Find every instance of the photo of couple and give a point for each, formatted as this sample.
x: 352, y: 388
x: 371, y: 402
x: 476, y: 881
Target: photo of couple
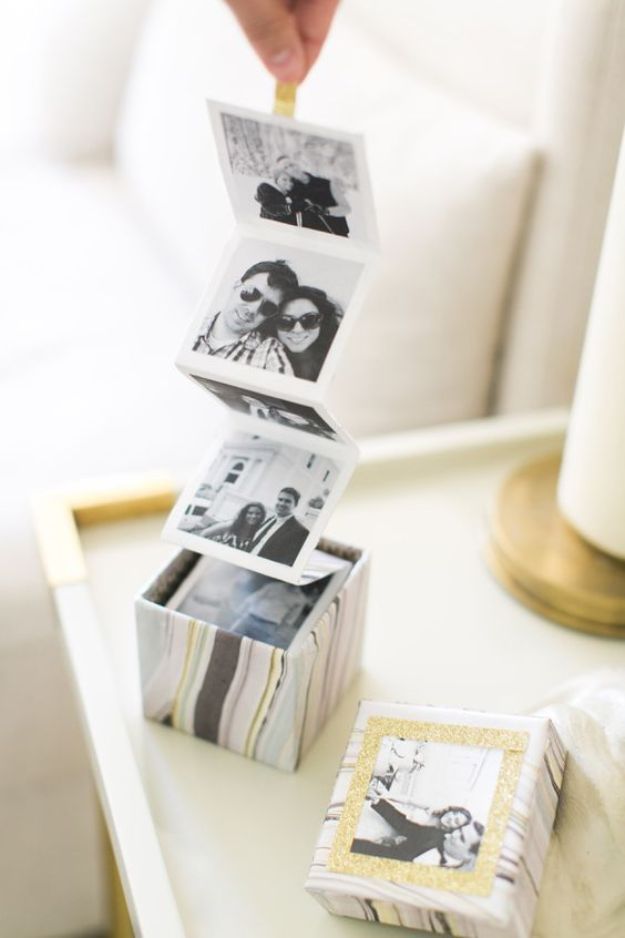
x: 275, y: 534
x: 448, y: 836
x: 296, y: 196
x: 256, y: 502
x: 288, y: 175
x: 427, y: 803
x: 272, y: 322
x: 267, y: 315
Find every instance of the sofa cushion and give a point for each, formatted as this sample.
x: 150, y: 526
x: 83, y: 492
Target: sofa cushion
x: 485, y: 51
x: 92, y: 320
x: 450, y: 186
x: 63, y: 66
x: 87, y: 361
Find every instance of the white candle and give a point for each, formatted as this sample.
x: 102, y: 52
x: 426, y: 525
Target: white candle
x: 591, y: 490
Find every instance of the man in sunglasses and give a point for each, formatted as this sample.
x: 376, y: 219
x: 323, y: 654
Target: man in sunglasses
x: 233, y: 333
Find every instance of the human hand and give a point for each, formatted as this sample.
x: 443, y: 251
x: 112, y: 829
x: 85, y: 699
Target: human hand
x: 288, y: 35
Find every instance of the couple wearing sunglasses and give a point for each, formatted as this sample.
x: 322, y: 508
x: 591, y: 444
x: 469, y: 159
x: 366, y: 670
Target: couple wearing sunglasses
x: 272, y: 322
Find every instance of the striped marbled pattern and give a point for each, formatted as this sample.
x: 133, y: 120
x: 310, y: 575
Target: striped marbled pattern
x: 247, y: 696
x: 509, y: 911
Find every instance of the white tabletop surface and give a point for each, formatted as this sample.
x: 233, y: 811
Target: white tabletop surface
x: 237, y: 836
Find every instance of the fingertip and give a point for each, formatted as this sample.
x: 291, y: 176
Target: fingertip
x: 287, y: 64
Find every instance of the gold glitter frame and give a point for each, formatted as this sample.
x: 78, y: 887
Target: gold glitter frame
x: 479, y: 881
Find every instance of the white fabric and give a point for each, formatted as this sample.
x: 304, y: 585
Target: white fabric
x: 91, y: 321
x: 449, y: 186
x: 557, y: 69
x: 63, y: 66
x: 583, y: 891
x: 484, y: 51
x: 96, y: 386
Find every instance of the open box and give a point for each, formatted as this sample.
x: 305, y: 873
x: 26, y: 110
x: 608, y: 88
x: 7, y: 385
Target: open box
x: 252, y: 697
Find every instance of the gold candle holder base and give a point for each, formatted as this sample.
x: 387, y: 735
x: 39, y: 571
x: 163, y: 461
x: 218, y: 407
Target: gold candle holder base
x: 545, y: 564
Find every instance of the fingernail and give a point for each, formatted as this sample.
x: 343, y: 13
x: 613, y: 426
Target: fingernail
x: 286, y: 64
x: 283, y: 57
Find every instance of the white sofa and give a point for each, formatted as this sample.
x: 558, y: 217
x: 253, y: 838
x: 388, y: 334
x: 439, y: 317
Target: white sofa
x: 492, y: 129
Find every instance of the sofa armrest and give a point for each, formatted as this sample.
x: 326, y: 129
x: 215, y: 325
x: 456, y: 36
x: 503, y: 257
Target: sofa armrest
x: 63, y: 68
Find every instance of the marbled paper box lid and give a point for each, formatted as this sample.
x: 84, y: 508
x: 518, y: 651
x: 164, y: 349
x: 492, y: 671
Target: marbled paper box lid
x: 440, y: 820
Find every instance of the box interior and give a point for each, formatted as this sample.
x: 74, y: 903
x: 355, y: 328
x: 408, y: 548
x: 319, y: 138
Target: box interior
x: 163, y: 588
x: 173, y: 575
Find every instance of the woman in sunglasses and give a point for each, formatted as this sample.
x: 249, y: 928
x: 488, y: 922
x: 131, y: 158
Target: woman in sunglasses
x: 306, y: 324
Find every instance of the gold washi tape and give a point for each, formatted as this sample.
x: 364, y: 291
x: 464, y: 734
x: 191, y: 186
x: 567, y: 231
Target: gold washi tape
x: 284, y: 100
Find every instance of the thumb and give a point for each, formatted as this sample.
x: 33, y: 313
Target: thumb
x: 271, y: 29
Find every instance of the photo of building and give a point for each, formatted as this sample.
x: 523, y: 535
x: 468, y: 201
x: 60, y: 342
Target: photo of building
x: 254, y: 468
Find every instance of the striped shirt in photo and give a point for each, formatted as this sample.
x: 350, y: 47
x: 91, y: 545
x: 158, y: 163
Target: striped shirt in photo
x: 250, y: 349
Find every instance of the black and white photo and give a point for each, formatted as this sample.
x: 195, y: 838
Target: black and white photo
x: 265, y: 407
x: 428, y: 803
x: 441, y: 808
x: 276, y: 308
x: 247, y: 603
x: 272, y: 531
x: 298, y: 176
x: 257, y: 503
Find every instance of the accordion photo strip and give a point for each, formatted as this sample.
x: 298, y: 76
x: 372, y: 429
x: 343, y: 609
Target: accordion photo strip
x: 267, y: 340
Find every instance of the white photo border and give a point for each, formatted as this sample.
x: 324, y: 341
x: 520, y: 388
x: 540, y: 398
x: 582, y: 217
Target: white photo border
x: 239, y: 375
x: 370, y: 240
x: 345, y: 459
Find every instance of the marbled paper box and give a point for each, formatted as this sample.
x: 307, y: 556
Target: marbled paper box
x: 238, y: 690
x: 440, y: 820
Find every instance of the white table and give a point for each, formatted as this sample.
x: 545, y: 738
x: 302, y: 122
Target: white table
x: 211, y: 844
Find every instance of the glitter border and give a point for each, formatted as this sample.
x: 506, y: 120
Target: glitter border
x: 478, y: 882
